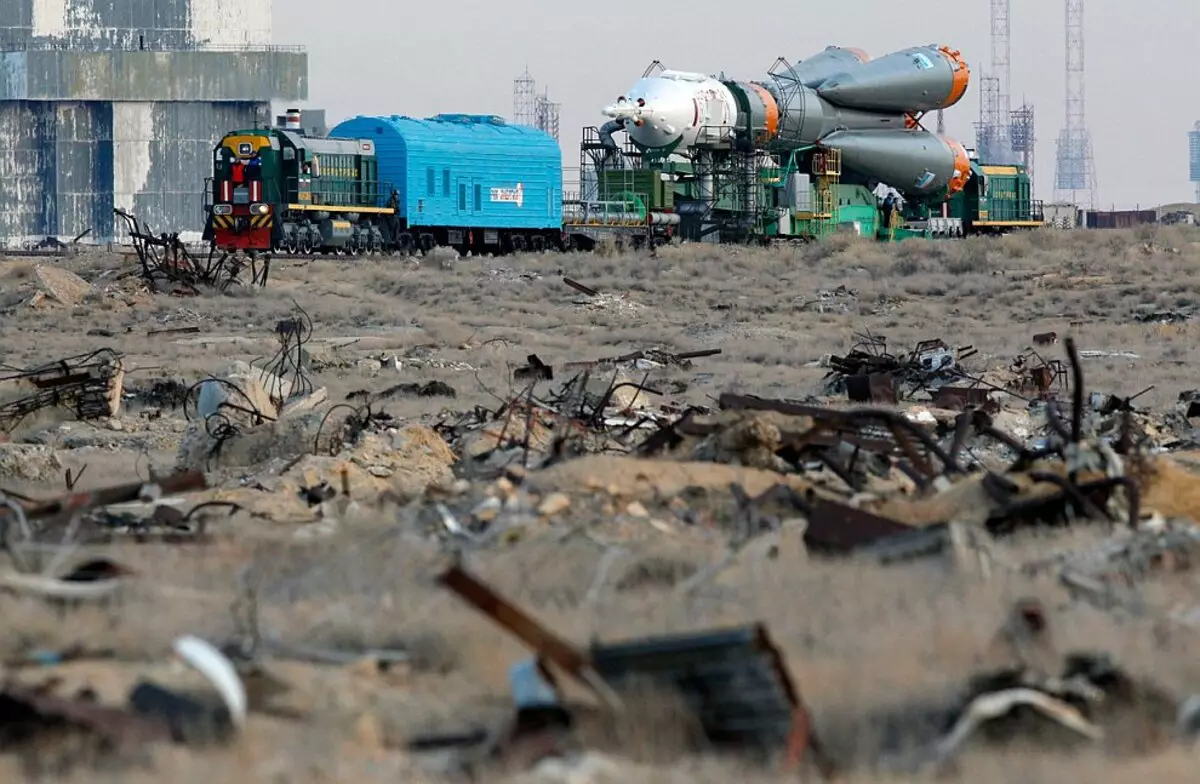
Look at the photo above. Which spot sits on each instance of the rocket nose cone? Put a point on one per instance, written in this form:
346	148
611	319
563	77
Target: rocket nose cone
666	110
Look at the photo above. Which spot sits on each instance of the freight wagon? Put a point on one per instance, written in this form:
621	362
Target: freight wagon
1117	219
468	181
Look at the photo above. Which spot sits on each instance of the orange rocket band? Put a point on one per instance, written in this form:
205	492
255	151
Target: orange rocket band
859	53
962	166
962	75
772	109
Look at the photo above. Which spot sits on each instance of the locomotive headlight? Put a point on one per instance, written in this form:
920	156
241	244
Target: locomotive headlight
222	209
259	209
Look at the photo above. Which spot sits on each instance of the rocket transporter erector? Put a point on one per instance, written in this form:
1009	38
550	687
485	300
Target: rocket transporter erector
839	99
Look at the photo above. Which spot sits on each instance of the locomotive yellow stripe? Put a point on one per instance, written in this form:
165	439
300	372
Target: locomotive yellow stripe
223	221
260	221
256	142
341	208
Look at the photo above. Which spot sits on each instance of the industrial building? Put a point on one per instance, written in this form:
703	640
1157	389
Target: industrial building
118	103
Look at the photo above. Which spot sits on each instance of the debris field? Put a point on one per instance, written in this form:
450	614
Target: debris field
834	513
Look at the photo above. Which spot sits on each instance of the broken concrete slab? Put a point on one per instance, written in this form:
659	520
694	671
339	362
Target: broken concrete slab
60	285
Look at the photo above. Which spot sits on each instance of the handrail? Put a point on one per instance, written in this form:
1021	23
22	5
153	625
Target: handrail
103	47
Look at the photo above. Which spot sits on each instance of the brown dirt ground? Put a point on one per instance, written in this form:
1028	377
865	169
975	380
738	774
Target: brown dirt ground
859	640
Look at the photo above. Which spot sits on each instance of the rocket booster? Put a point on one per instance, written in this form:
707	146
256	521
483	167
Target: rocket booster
838	98
913	161
919	79
832	61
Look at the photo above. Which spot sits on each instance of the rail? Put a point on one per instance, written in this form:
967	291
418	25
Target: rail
330	193
340	192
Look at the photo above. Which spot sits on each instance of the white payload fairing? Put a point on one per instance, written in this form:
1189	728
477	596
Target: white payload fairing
838	98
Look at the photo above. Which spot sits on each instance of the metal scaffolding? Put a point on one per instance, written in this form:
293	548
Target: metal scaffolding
1075	175
1194	158
533	109
1023	137
993	131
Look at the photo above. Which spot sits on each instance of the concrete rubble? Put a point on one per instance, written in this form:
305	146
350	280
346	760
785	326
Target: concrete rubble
911	455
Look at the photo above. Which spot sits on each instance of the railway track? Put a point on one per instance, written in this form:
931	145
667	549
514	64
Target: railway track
198	253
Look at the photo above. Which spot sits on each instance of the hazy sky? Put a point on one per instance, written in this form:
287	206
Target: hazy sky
421	58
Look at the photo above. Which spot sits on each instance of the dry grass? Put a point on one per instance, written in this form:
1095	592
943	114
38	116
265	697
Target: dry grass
863	642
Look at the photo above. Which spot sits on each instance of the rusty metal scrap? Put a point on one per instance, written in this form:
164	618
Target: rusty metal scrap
582	289
872	388
1036	376
908	438
1083	486
734	680
164	259
838	528
90	385
958	398
534	369
24	710
183	482
929	362
655	356
524	627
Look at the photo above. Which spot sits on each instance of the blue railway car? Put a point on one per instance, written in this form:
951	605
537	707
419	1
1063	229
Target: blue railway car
473	182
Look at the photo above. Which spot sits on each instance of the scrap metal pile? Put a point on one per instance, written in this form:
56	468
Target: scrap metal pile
870	373
166	261
882	483
89	385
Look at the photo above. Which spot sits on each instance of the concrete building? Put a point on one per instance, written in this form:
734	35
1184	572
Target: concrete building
118	103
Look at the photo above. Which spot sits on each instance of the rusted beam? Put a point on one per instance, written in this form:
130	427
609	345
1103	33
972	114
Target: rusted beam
835	527
582	289
184	482
115	724
544	642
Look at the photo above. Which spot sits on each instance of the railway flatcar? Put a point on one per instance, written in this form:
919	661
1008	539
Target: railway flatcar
472	182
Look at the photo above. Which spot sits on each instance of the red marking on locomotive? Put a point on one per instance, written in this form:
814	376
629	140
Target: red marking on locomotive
242	236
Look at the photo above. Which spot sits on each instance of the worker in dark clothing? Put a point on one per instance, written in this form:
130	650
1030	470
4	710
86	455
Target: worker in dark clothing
889	207
254	166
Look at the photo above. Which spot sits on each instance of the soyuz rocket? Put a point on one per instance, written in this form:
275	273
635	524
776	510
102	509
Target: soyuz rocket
838	99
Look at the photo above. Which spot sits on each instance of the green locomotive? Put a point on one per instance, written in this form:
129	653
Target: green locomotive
275	189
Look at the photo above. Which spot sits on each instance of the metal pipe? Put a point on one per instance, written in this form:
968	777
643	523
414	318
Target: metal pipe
607	130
